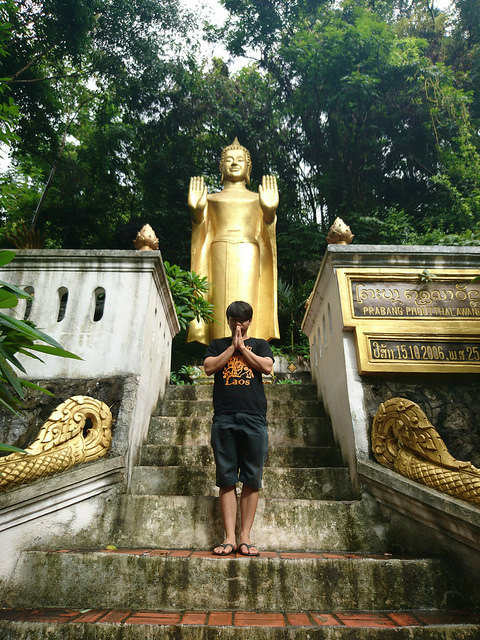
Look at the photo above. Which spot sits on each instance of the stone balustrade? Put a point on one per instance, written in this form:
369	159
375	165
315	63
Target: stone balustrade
114	309
450	397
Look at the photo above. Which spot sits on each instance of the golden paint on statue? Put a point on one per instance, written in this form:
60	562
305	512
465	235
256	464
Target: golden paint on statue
63	442
404	441
234	246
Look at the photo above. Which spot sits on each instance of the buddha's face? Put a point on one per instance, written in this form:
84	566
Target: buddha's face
235	168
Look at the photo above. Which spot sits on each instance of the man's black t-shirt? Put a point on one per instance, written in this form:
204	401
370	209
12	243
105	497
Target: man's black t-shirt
237	387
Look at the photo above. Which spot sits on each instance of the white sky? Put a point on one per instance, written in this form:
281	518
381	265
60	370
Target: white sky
213	12
218	14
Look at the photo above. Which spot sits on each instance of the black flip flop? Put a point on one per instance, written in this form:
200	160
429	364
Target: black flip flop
249	546
227	544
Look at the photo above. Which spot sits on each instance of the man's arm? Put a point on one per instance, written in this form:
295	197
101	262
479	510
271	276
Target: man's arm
263	364
212	364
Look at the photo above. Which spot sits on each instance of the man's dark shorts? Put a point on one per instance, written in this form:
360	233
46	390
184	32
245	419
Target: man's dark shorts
240	444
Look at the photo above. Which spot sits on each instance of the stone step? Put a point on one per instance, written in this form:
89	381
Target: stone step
276	408
185	430
194	522
130	624
161	579
327	483
202	455
272	391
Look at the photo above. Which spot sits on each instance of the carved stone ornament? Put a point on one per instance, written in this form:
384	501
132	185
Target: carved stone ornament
61	443
339	233
146	239
404	441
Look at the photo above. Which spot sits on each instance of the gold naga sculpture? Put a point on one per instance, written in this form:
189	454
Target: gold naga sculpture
61	442
234	246
405	441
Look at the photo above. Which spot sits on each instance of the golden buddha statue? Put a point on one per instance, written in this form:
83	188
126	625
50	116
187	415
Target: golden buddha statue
234	246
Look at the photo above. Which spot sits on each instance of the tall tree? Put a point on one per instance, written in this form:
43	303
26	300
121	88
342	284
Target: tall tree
357	81
68	61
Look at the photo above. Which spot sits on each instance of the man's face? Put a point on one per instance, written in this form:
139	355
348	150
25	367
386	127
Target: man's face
234	166
233	323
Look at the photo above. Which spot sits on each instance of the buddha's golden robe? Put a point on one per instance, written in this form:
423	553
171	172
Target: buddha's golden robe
235	248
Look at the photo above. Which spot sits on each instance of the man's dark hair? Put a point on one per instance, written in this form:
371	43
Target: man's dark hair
240	309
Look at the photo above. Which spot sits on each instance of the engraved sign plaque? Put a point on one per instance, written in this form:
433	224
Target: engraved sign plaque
408	300
403	324
425	350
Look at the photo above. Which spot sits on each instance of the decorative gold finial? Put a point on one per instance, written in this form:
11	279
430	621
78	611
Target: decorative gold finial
404	441
146	239
339	233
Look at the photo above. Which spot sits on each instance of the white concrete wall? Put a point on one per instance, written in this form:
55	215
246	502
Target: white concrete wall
69	508
133	337
333	365
138	317
332	349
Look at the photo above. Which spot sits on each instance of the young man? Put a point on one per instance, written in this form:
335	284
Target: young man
239	428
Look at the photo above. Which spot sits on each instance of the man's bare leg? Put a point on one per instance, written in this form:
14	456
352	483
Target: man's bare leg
248	508
228	510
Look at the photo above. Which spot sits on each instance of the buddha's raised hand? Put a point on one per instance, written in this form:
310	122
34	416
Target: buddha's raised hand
197	194
268	194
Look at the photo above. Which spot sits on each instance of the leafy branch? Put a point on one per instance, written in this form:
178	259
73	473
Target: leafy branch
188	289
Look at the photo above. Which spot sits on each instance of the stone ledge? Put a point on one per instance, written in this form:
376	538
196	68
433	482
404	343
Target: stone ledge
388	255
384	256
45	496
451	517
234	618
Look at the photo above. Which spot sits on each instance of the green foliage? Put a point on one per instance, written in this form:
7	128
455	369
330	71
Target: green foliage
19	337
10	448
78	71
9	111
365	110
426	276
175	378
287	381
291	309
187	290
8	119
184	376
384	134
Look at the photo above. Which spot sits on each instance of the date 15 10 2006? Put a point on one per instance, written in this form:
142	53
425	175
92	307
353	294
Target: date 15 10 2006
425	350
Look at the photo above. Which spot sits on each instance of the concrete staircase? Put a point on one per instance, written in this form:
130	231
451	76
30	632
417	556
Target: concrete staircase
326	571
